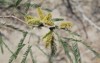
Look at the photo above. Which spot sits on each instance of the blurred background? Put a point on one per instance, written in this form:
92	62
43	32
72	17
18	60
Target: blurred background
84	14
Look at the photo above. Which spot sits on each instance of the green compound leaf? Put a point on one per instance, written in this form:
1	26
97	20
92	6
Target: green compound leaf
3	43
72	33
57	19
65	46
31	54
76	53
66	49
49	10
19	47
26	54
72	39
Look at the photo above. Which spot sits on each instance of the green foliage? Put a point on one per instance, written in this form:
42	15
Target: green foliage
70	45
19	47
65	47
26	54
47	9
31	54
57	19
3	43
76	53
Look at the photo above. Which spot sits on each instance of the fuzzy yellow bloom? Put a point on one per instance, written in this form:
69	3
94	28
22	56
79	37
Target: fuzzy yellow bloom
47	20
30	20
40	13
49	23
48	39
48	17
66	24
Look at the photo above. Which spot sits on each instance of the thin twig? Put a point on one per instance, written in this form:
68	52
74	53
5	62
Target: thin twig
13	17
69	6
86	18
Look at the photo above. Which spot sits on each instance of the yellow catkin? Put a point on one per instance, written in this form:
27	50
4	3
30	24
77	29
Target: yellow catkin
66	24
48	17
30	20
48	38
47	20
49	23
40	13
